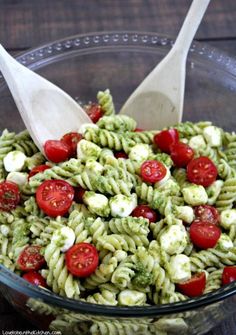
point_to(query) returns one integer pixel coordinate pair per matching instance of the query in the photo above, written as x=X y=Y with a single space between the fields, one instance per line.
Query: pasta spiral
x=96 y=228
x=214 y=281
x=124 y=273
x=112 y=140
x=106 y=297
x=107 y=185
x=231 y=153
x=105 y=270
x=141 y=136
x=129 y=225
x=124 y=242
x=119 y=123
x=188 y=129
x=57 y=275
x=212 y=257
x=227 y=195
x=106 y=102
x=77 y=222
x=119 y=327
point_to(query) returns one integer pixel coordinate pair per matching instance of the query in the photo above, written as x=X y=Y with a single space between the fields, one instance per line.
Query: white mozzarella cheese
x=180 y=268
x=14 y=161
x=122 y=205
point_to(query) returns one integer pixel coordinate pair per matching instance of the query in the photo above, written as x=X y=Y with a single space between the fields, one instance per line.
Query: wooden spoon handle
x=190 y=26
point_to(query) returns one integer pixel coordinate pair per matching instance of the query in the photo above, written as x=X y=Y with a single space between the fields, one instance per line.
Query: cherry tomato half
x=146 y=212
x=95 y=112
x=181 y=154
x=55 y=197
x=79 y=193
x=82 y=259
x=9 y=196
x=166 y=138
x=207 y=213
x=71 y=140
x=204 y=234
x=228 y=275
x=193 y=287
x=120 y=154
x=38 y=169
x=56 y=151
x=152 y=171
x=202 y=171
x=30 y=258
x=35 y=278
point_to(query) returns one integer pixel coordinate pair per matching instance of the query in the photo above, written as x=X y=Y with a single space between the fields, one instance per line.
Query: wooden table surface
x=25 y=24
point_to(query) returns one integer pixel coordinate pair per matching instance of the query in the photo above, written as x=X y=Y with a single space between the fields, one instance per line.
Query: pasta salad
x=120 y=216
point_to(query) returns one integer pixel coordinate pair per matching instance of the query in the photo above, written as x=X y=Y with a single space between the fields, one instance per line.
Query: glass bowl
x=82 y=65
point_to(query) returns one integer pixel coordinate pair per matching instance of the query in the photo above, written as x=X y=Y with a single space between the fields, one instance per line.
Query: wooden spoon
x=158 y=100
x=47 y=111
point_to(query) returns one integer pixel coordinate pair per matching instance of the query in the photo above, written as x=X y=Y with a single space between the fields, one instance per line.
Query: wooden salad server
x=47 y=111
x=158 y=100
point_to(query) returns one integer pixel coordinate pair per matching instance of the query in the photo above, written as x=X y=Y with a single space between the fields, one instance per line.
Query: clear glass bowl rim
x=223 y=62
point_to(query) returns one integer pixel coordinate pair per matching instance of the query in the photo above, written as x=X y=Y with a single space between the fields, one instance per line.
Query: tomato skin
x=137 y=130
x=146 y=212
x=204 y=234
x=38 y=169
x=82 y=259
x=121 y=154
x=71 y=140
x=30 y=258
x=55 y=197
x=181 y=154
x=202 y=171
x=35 y=278
x=193 y=287
x=228 y=275
x=95 y=112
x=165 y=139
x=56 y=151
x=79 y=193
x=9 y=195
x=207 y=213
x=152 y=171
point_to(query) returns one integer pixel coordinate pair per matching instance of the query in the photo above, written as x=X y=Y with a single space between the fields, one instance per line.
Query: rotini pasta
x=125 y=239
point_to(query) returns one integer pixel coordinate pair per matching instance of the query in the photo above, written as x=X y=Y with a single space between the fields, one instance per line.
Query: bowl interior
x=83 y=65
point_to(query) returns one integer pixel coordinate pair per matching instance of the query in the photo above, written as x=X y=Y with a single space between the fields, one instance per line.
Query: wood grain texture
x=27 y=23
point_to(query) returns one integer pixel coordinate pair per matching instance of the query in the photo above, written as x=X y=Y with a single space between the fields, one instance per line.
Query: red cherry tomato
x=95 y=112
x=55 y=197
x=146 y=212
x=137 y=130
x=30 y=258
x=152 y=171
x=56 y=151
x=35 y=278
x=38 y=169
x=228 y=275
x=121 y=154
x=207 y=213
x=82 y=259
x=79 y=193
x=193 y=287
x=166 y=138
x=9 y=196
x=204 y=234
x=181 y=154
x=71 y=140
x=202 y=171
